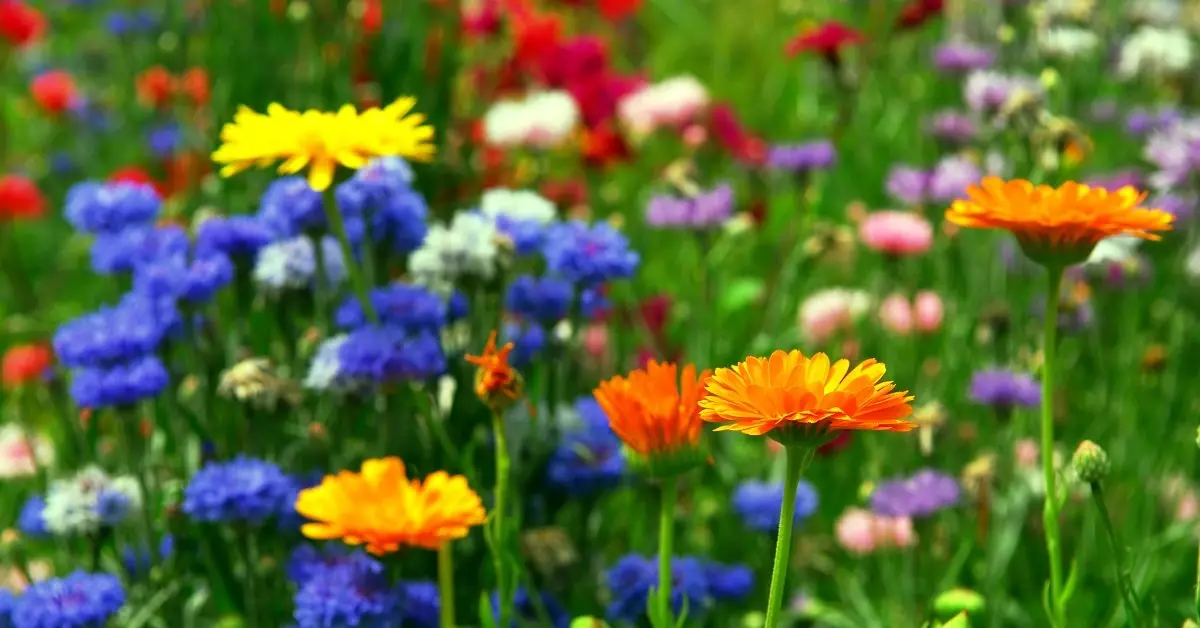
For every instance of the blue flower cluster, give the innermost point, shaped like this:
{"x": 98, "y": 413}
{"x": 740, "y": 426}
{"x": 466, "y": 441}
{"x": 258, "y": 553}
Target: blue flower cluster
{"x": 30, "y": 521}
{"x": 588, "y": 255}
{"x": 759, "y": 503}
{"x": 528, "y": 342}
{"x": 546, "y": 300}
{"x": 383, "y": 354}
{"x": 138, "y": 561}
{"x": 589, "y": 458}
{"x": 239, "y": 237}
{"x": 108, "y": 208}
{"x": 381, "y": 195}
{"x": 242, "y": 490}
{"x": 80, "y": 600}
{"x": 410, "y": 308}
{"x": 526, "y": 612}
{"x": 340, "y": 588}
{"x": 290, "y": 207}
{"x": 698, "y": 582}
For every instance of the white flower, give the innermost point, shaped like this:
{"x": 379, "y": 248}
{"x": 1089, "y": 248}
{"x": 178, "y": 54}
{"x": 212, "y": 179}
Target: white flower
{"x": 1192, "y": 264}
{"x": 292, "y": 264}
{"x": 673, "y": 102}
{"x": 81, "y": 504}
{"x": 1114, "y": 250}
{"x": 542, "y": 120}
{"x": 20, "y": 455}
{"x": 467, "y": 248}
{"x": 1070, "y": 9}
{"x": 1068, "y": 42}
{"x": 1155, "y": 51}
{"x": 325, "y": 367}
{"x": 517, "y": 205}
{"x": 1156, "y": 12}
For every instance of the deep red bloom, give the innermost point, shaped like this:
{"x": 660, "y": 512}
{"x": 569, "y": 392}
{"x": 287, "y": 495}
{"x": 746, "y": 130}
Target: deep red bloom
{"x": 603, "y": 147}
{"x": 535, "y": 36}
{"x": 827, "y": 39}
{"x": 483, "y": 21}
{"x": 372, "y": 17}
{"x": 733, "y": 137}
{"x": 598, "y": 96}
{"x": 54, "y": 91}
{"x": 20, "y": 198}
{"x": 155, "y": 86}
{"x": 917, "y": 12}
{"x": 655, "y": 313}
{"x": 20, "y": 24}
{"x": 134, "y": 174}
{"x": 840, "y": 442}
{"x": 194, "y": 84}
{"x": 25, "y": 363}
{"x": 573, "y": 61}
{"x": 618, "y": 9}
{"x": 567, "y": 193}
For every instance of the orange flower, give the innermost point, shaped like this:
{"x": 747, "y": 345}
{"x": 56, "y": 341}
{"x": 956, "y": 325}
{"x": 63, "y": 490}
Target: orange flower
{"x": 788, "y": 390}
{"x": 381, "y": 508}
{"x": 1061, "y": 224}
{"x": 655, "y": 411}
{"x": 496, "y": 383}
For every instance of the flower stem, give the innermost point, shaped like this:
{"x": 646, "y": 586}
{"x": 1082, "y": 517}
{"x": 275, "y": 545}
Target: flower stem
{"x": 251, "y": 556}
{"x": 1133, "y": 614}
{"x": 357, "y": 280}
{"x": 446, "y": 584}
{"x": 131, "y": 441}
{"x": 798, "y": 459}
{"x": 1050, "y": 512}
{"x": 503, "y": 585}
{"x": 666, "y": 546}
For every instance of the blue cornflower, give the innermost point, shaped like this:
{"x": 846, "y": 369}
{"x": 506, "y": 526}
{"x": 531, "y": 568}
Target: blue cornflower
{"x": 325, "y": 370}
{"x": 528, "y": 342}
{"x": 196, "y": 282}
{"x": 631, "y": 579}
{"x": 758, "y": 503}
{"x": 8, "y": 601}
{"x": 589, "y": 458}
{"x": 382, "y": 193}
{"x": 119, "y": 23}
{"x": 546, "y": 300}
{"x": 138, "y": 562}
{"x": 235, "y": 236}
{"x": 112, "y": 506}
{"x": 240, "y": 490}
{"x": 381, "y": 354}
{"x": 290, "y": 207}
{"x": 521, "y": 215}
{"x": 111, "y": 335}
{"x": 411, "y": 308}
{"x": 164, "y": 140}
{"x": 728, "y": 582}
{"x": 308, "y": 561}
{"x": 92, "y": 115}
{"x": 526, "y": 613}
{"x": 80, "y": 600}
{"x": 593, "y": 303}
{"x": 588, "y": 255}
{"x": 96, "y": 208}
{"x": 136, "y": 246}
{"x": 30, "y": 521}
{"x": 292, "y": 264}
{"x": 347, "y": 595}
{"x": 420, "y": 603}
{"x": 457, "y": 307}
{"x": 62, "y": 163}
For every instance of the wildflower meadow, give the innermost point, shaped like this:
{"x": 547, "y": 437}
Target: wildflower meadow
{"x": 599, "y": 313}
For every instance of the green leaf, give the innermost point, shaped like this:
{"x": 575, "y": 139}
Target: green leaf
{"x": 147, "y": 612}
{"x": 486, "y": 619}
{"x": 588, "y": 622}
{"x": 959, "y": 621}
{"x": 741, "y": 293}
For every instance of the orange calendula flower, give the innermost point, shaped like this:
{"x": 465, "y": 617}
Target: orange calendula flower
{"x": 796, "y": 399}
{"x": 496, "y": 383}
{"x": 1057, "y": 225}
{"x": 655, "y": 412}
{"x": 381, "y": 508}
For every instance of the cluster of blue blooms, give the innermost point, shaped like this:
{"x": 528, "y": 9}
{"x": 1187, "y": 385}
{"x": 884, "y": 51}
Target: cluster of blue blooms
{"x": 589, "y": 458}
{"x": 242, "y": 490}
{"x": 337, "y": 587}
{"x": 79, "y": 599}
{"x": 699, "y": 583}
{"x": 759, "y": 504}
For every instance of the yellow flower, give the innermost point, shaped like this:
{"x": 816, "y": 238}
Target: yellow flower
{"x": 381, "y": 508}
{"x": 320, "y": 140}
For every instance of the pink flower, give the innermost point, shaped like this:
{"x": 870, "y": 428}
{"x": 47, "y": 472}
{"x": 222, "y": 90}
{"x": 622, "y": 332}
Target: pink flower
{"x": 826, "y": 312}
{"x": 855, "y": 531}
{"x": 19, "y": 454}
{"x": 896, "y": 314}
{"x": 896, "y": 233}
{"x": 1188, "y": 508}
{"x": 1025, "y": 453}
{"x": 895, "y": 532}
{"x": 674, "y": 102}
{"x": 927, "y": 307}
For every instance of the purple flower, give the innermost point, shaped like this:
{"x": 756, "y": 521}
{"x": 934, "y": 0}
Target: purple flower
{"x": 1141, "y": 121}
{"x": 962, "y": 57}
{"x": 1103, "y": 110}
{"x": 1176, "y": 153}
{"x": 951, "y": 177}
{"x": 921, "y": 495}
{"x": 987, "y": 91}
{"x": 908, "y": 184}
{"x": 1005, "y": 389}
{"x": 800, "y": 158}
{"x": 952, "y": 126}
{"x": 709, "y": 209}
{"x": 1180, "y": 206}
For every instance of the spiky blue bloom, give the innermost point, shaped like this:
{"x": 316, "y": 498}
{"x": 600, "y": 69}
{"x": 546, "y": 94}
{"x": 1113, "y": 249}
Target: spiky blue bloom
{"x": 292, "y": 264}
{"x": 411, "y": 308}
{"x": 457, "y": 307}
{"x": 728, "y": 582}
{"x": 164, "y": 140}
{"x": 631, "y": 579}
{"x": 528, "y": 342}
{"x": 119, "y": 385}
{"x": 381, "y": 194}
{"x": 111, "y": 335}
{"x": 8, "y": 601}
{"x": 588, "y": 255}
{"x": 593, "y": 303}
{"x": 96, "y": 208}
{"x": 235, "y": 236}
{"x": 138, "y": 562}
{"x": 30, "y": 521}
{"x": 545, "y": 300}
{"x": 242, "y": 490}
{"x": 290, "y": 207}
{"x": 309, "y": 561}
{"x": 381, "y": 354}
{"x": 420, "y": 603}
{"x": 80, "y": 600}
{"x": 127, "y": 250}
{"x": 195, "y": 282}
{"x": 589, "y": 458}
{"x": 347, "y": 595}
{"x": 758, "y": 504}
{"x": 526, "y": 613}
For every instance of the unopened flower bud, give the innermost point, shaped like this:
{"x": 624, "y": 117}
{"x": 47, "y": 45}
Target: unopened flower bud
{"x": 958, "y": 600}
{"x": 1090, "y": 462}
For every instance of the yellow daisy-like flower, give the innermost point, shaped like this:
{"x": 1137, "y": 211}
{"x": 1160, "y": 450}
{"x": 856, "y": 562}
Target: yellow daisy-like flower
{"x": 320, "y": 140}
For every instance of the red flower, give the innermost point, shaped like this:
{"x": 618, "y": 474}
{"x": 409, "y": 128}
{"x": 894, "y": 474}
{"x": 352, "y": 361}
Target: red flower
{"x": 535, "y": 36}
{"x": 598, "y": 96}
{"x": 184, "y": 171}
{"x": 134, "y": 174}
{"x": 54, "y": 91}
{"x": 194, "y": 83}
{"x": 372, "y": 17}
{"x": 576, "y": 60}
{"x": 617, "y": 9}
{"x": 603, "y": 147}
{"x": 20, "y": 198}
{"x": 155, "y": 86}
{"x": 840, "y": 442}
{"x": 917, "y": 12}
{"x": 655, "y": 313}
{"x": 25, "y": 363}
{"x": 20, "y": 24}
{"x": 733, "y": 137}
{"x": 483, "y": 21}
{"x": 567, "y": 193}
{"x": 827, "y": 39}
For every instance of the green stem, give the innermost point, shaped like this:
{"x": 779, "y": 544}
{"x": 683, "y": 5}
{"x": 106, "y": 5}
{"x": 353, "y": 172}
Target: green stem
{"x": 446, "y": 584}
{"x": 666, "y": 543}
{"x": 251, "y": 550}
{"x": 798, "y": 458}
{"x": 500, "y": 519}
{"x": 359, "y": 282}
{"x": 1050, "y": 512}
{"x": 128, "y": 429}
{"x": 1128, "y": 595}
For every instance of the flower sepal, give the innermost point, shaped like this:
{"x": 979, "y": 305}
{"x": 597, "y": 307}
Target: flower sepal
{"x": 803, "y": 435}
{"x": 667, "y": 464}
